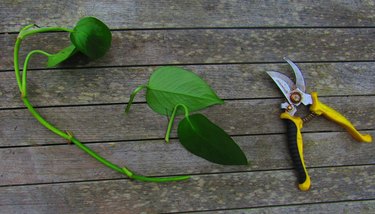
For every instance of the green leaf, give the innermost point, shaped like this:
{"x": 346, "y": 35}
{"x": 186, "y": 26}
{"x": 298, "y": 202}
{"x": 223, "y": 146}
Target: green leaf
{"x": 61, "y": 56}
{"x": 169, "y": 86}
{"x": 91, "y": 37}
{"x": 205, "y": 139}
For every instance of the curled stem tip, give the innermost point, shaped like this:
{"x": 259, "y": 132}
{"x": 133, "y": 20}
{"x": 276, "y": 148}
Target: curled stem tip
{"x": 25, "y": 66}
{"x": 28, "y": 27}
{"x": 132, "y": 96}
{"x": 171, "y": 120}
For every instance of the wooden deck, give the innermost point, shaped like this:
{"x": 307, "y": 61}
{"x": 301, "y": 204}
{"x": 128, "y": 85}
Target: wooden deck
{"x": 230, "y": 44}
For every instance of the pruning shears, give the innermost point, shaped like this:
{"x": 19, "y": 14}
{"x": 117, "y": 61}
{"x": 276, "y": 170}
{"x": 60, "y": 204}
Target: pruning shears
{"x": 296, "y": 95}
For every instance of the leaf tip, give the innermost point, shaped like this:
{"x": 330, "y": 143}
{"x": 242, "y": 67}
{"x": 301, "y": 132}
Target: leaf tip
{"x": 244, "y": 162}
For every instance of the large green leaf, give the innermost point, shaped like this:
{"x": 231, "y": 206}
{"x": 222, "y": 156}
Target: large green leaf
{"x": 205, "y": 139}
{"x": 91, "y": 37}
{"x": 61, "y": 56}
{"x": 169, "y": 86}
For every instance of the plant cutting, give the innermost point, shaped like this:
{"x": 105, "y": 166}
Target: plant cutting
{"x": 173, "y": 91}
{"x": 93, "y": 38}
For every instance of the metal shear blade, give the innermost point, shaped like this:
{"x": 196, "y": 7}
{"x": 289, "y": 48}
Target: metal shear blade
{"x": 300, "y": 81}
{"x": 283, "y": 82}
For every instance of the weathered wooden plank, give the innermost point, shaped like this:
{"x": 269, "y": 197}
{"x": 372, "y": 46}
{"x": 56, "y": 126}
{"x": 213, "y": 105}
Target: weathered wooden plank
{"x": 108, "y": 122}
{"x": 145, "y": 47}
{"x": 204, "y": 192}
{"x": 65, "y": 163}
{"x": 199, "y": 13}
{"x": 114, "y": 85}
{"x": 336, "y": 207}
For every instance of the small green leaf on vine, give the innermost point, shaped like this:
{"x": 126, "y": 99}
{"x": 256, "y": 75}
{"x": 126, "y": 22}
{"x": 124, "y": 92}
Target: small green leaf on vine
{"x": 91, "y": 37}
{"x": 172, "y": 91}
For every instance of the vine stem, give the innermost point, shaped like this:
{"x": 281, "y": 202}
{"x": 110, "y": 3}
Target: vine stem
{"x": 66, "y": 135}
{"x": 171, "y": 120}
{"x": 69, "y": 137}
{"x": 130, "y": 174}
{"x": 132, "y": 96}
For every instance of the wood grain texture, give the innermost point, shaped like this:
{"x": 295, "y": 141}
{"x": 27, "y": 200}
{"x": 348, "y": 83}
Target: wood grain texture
{"x": 114, "y": 85}
{"x": 230, "y": 43}
{"x": 183, "y": 14}
{"x": 66, "y": 163}
{"x": 336, "y": 207}
{"x": 108, "y": 122}
{"x": 203, "y": 192}
{"x": 197, "y": 46}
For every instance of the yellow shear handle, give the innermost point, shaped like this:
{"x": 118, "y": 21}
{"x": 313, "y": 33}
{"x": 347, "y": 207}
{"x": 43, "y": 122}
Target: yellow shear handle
{"x": 295, "y": 145}
{"x": 320, "y": 108}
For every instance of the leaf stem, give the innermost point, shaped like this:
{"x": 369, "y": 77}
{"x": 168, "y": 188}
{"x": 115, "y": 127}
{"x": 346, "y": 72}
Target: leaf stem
{"x": 26, "y": 32}
{"x": 171, "y": 120}
{"x": 135, "y": 92}
{"x": 24, "y": 71}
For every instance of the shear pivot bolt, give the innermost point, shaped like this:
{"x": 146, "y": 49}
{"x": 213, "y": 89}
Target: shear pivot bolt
{"x": 295, "y": 97}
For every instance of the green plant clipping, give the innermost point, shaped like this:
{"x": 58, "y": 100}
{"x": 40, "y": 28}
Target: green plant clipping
{"x": 172, "y": 89}
{"x": 91, "y": 37}
{"x": 205, "y": 139}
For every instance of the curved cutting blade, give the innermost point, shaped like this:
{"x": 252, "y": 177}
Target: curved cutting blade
{"x": 300, "y": 82}
{"x": 283, "y": 82}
